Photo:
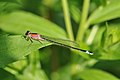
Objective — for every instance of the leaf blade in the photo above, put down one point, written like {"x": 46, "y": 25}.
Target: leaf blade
{"x": 13, "y": 48}
{"x": 111, "y": 11}
{"x": 95, "y": 74}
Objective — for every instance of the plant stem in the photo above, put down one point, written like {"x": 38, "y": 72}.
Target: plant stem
{"x": 67, "y": 19}
{"x": 83, "y": 23}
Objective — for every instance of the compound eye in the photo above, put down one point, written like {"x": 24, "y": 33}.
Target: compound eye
{"x": 27, "y": 32}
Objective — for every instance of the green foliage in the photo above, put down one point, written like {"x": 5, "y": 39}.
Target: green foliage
{"x": 22, "y": 21}
{"x": 7, "y": 75}
{"x": 108, "y": 12}
{"x": 94, "y": 74}
{"x": 111, "y": 42}
{"x": 13, "y": 48}
{"x": 96, "y": 28}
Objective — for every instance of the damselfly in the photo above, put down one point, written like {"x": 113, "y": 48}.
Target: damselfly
{"x": 61, "y": 42}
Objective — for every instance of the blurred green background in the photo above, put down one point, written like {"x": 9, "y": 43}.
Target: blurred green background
{"x": 93, "y": 24}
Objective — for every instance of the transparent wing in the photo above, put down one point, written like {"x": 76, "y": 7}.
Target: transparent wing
{"x": 61, "y": 42}
{"x": 65, "y": 43}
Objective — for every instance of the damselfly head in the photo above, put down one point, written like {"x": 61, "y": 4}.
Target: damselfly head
{"x": 27, "y": 32}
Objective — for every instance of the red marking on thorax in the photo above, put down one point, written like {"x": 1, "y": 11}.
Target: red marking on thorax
{"x": 34, "y": 35}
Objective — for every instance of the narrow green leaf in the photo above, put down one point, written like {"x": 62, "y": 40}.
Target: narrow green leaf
{"x": 15, "y": 1}
{"x": 7, "y": 7}
{"x": 95, "y": 74}
{"x": 75, "y": 13}
{"x": 110, "y": 11}
{"x": 4, "y": 75}
{"x": 97, "y": 40}
{"x": 19, "y": 22}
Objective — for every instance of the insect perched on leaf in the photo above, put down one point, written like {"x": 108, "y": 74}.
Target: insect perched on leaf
{"x": 61, "y": 42}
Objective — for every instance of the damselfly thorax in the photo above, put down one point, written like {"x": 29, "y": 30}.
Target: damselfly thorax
{"x": 34, "y": 36}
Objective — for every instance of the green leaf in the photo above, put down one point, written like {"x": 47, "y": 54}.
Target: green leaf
{"x": 13, "y": 48}
{"x": 97, "y": 40}
{"x": 16, "y": 1}
{"x": 4, "y": 75}
{"x": 95, "y": 74}
{"x": 33, "y": 71}
{"x": 19, "y": 22}
{"x": 75, "y": 13}
{"x": 7, "y": 7}
{"x": 111, "y": 43}
{"x": 110, "y": 11}
{"x": 30, "y": 74}
{"x": 112, "y": 53}
{"x": 109, "y": 66}
{"x": 62, "y": 73}
{"x": 112, "y": 34}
